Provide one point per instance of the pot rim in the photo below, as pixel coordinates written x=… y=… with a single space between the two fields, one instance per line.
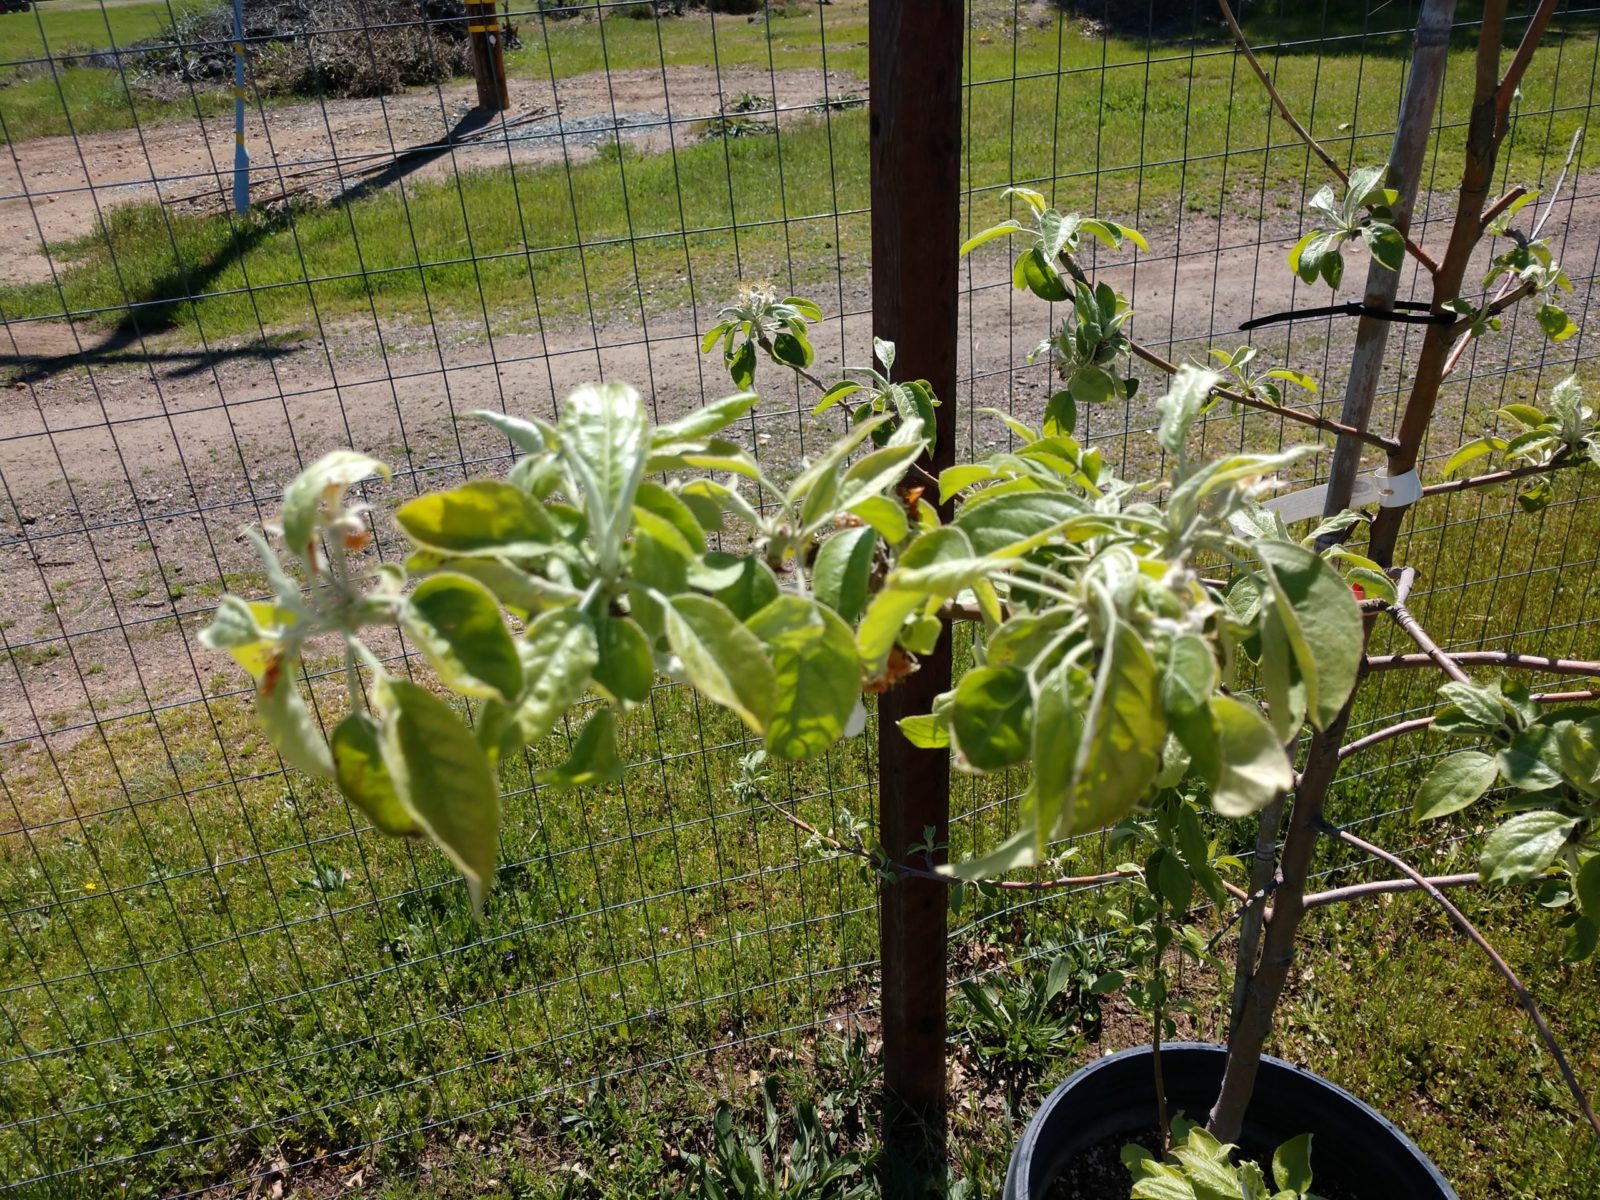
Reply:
x=1027 y=1145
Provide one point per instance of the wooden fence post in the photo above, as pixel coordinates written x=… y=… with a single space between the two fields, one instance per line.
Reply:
x=488 y=55
x=914 y=53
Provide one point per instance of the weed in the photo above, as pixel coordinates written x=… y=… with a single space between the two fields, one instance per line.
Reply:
x=745 y=1166
x=1018 y=1021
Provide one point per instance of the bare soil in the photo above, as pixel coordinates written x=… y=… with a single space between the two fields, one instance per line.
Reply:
x=128 y=468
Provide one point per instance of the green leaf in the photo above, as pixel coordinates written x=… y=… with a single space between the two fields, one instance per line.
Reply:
x=1182 y=403
x=1190 y=676
x=323 y=482
x=1478 y=709
x=842 y=574
x=887 y=516
x=1009 y=525
x=232 y=626
x=482 y=517
x=793 y=349
x=1553 y=319
x=1326 y=629
x=1291 y=1164
x=442 y=778
x=1004 y=229
x=667 y=505
x=1058 y=717
x=749 y=588
x=835 y=394
x=709 y=419
x=741 y=365
x=1532 y=762
x=359 y=770
x=1387 y=244
x=872 y=473
x=924 y=731
x=1587 y=888
x=1120 y=751
x=532 y=437
x=1089 y=384
x=288 y=722
x=605 y=439
x=623 y=666
x=1524 y=846
x=888 y=610
x=1038 y=275
x=1253 y=769
x=1454 y=783
x=559 y=652
x=991 y=717
x=1471 y=452
x=594 y=755
x=456 y=622
x=818 y=677
x=1173 y=883
x=1061 y=414
x=723 y=659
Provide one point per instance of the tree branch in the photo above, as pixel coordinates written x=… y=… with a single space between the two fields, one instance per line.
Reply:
x=1500 y=205
x=1430 y=648
x=1510 y=659
x=1304 y=134
x=1379 y=736
x=1357 y=891
x=1561 y=460
x=1500 y=964
x=1507 y=88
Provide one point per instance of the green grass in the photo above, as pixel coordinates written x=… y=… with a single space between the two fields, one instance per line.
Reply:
x=176 y=875
x=64 y=27
x=599 y=236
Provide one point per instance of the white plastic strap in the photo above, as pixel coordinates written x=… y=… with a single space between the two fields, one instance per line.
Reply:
x=1376 y=488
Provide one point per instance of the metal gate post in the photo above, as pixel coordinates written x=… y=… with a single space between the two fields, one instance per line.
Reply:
x=914 y=53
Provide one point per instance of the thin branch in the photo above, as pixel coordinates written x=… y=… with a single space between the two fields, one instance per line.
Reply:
x=1560 y=461
x=1509 y=659
x=1357 y=891
x=1555 y=192
x=1507 y=87
x=1500 y=205
x=1500 y=964
x=906 y=871
x=1430 y=648
x=1505 y=297
x=1388 y=732
x=1416 y=252
x=1383 y=735
x=1171 y=368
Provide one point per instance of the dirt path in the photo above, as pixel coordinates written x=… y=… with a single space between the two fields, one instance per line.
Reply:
x=126 y=481
x=59 y=186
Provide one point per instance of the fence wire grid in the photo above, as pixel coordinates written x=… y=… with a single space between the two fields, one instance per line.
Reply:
x=215 y=974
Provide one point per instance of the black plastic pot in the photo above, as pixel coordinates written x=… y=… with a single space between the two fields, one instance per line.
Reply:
x=1353 y=1149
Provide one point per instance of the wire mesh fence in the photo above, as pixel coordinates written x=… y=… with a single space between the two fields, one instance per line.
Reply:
x=216 y=975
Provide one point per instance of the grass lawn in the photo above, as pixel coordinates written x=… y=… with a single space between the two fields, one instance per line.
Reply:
x=1110 y=125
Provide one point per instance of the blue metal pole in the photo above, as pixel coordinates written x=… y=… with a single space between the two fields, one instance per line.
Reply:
x=241 y=156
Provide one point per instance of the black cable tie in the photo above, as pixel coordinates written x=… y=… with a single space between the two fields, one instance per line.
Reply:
x=1407 y=312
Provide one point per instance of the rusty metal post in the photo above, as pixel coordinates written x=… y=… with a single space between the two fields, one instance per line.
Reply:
x=914 y=54
x=488 y=55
